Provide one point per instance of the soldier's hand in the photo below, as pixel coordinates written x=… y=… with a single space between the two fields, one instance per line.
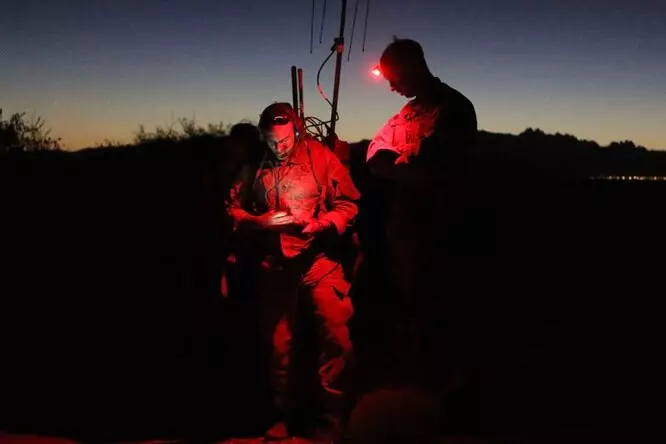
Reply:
x=407 y=152
x=316 y=226
x=274 y=220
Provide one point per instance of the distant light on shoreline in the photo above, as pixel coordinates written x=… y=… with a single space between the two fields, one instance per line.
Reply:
x=638 y=178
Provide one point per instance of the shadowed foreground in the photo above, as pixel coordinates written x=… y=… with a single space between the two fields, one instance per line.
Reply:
x=113 y=327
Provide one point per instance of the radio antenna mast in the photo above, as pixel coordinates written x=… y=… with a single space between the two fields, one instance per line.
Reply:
x=325 y=131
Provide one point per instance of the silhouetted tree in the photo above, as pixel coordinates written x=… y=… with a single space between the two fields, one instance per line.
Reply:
x=188 y=129
x=626 y=145
x=530 y=132
x=161 y=134
x=111 y=144
x=19 y=134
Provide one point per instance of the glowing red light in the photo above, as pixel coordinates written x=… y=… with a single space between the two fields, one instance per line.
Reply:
x=376 y=72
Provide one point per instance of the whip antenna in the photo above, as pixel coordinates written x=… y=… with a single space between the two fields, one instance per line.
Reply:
x=312 y=26
x=351 y=39
x=365 y=30
x=323 y=18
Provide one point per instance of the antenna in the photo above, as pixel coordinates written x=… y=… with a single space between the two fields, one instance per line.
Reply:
x=365 y=29
x=301 y=108
x=312 y=27
x=323 y=19
x=351 y=39
x=339 y=47
x=294 y=88
x=317 y=127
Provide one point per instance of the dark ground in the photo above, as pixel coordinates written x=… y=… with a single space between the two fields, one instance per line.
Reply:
x=113 y=327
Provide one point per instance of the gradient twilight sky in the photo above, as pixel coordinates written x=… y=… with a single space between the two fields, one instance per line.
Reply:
x=96 y=69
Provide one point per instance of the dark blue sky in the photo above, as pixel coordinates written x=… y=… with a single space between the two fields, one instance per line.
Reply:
x=98 y=69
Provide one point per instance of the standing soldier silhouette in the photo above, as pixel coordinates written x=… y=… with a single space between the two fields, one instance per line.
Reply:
x=421 y=152
x=293 y=207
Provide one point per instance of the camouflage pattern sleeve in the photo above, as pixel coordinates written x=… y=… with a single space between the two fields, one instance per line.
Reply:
x=342 y=195
x=383 y=140
x=234 y=201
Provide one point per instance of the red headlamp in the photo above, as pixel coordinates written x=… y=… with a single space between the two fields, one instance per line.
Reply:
x=280 y=120
x=376 y=71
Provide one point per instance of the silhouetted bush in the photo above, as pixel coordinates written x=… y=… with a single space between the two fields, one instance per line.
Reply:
x=19 y=134
x=184 y=128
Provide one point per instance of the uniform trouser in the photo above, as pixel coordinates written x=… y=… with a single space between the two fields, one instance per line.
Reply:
x=296 y=305
x=424 y=282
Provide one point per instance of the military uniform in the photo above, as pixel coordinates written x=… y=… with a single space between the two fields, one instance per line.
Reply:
x=300 y=274
x=425 y=218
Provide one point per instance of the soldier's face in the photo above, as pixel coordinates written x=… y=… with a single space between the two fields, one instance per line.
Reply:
x=281 y=140
x=401 y=80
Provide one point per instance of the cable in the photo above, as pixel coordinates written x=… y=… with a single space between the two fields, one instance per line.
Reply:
x=323 y=18
x=351 y=39
x=312 y=26
x=315 y=122
x=365 y=31
x=321 y=91
x=317 y=128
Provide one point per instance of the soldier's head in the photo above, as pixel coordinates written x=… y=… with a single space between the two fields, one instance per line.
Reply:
x=244 y=131
x=404 y=66
x=245 y=142
x=281 y=128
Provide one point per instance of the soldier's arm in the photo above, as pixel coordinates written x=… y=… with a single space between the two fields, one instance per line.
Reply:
x=242 y=219
x=382 y=155
x=439 y=153
x=383 y=140
x=383 y=165
x=342 y=195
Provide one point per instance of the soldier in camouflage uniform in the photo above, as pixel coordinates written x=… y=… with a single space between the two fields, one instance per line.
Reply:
x=421 y=151
x=293 y=207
